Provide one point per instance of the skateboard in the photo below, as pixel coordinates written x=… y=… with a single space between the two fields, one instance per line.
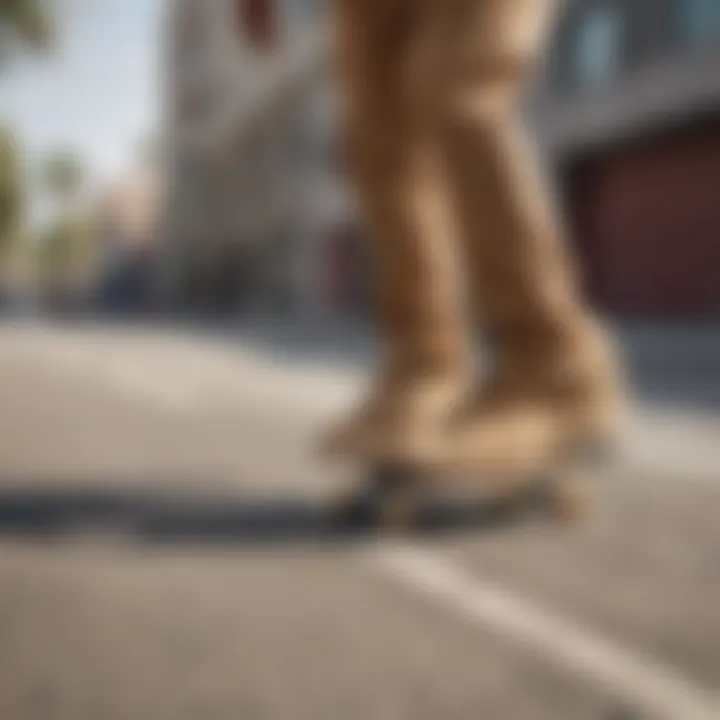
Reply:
x=394 y=497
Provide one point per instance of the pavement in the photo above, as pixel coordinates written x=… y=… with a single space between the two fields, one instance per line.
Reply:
x=165 y=552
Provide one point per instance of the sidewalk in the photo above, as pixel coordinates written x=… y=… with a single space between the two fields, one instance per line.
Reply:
x=676 y=364
x=674 y=371
x=310 y=373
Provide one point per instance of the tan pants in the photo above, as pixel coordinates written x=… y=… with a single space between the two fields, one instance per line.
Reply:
x=456 y=209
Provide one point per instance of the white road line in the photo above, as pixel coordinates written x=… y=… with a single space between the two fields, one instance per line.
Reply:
x=639 y=681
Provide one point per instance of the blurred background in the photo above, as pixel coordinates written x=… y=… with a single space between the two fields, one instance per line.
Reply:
x=184 y=298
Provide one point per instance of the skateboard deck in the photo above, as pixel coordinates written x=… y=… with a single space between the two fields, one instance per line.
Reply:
x=393 y=497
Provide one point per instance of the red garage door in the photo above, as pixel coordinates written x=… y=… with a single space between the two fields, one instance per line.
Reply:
x=648 y=226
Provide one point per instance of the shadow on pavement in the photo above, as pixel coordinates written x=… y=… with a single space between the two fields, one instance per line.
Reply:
x=60 y=511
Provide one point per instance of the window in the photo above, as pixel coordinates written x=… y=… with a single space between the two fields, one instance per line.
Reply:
x=312 y=8
x=599 y=45
x=300 y=13
x=700 y=20
x=258 y=22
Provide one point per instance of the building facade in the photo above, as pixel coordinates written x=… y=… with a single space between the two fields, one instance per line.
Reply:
x=628 y=109
x=254 y=194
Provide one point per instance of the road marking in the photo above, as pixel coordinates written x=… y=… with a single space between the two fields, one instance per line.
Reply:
x=637 y=680
x=640 y=681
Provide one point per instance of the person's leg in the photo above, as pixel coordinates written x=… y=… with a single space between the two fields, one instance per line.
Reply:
x=386 y=53
x=554 y=382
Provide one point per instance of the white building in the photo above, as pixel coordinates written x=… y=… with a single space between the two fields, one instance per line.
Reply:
x=253 y=192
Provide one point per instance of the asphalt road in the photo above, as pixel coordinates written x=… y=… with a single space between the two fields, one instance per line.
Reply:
x=164 y=554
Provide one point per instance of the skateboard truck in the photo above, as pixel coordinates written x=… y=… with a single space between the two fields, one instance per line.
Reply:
x=400 y=498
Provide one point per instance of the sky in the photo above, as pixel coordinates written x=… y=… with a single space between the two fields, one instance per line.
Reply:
x=98 y=93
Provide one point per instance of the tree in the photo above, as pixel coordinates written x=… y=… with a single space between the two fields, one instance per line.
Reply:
x=25 y=23
x=63 y=175
x=12 y=189
x=66 y=248
x=64 y=258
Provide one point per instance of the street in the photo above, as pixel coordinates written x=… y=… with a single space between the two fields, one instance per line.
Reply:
x=163 y=556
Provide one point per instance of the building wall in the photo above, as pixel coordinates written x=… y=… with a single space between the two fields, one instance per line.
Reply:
x=649 y=225
x=628 y=111
x=257 y=180
x=233 y=190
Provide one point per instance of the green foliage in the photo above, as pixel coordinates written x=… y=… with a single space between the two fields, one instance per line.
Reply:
x=12 y=189
x=66 y=248
x=63 y=174
x=24 y=23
